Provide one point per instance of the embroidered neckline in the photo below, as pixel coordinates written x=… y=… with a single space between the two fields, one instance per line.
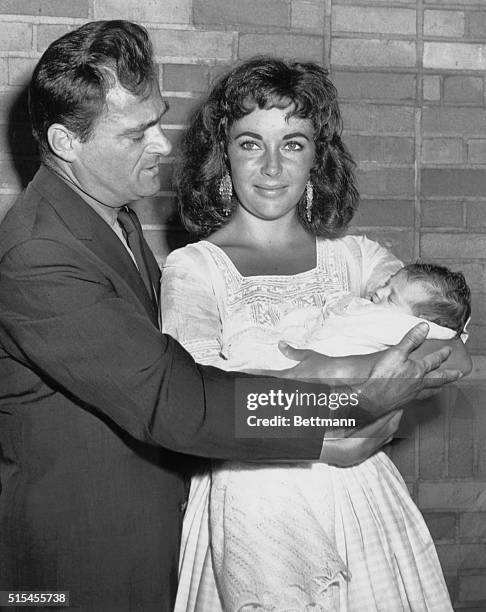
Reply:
x=222 y=254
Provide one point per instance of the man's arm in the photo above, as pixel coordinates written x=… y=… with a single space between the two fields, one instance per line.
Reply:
x=61 y=317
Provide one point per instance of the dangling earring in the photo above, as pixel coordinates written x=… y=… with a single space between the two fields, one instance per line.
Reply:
x=309 y=197
x=226 y=193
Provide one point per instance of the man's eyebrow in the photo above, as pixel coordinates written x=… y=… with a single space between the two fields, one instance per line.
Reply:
x=141 y=127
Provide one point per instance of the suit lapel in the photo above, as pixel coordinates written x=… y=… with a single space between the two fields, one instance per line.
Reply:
x=97 y=235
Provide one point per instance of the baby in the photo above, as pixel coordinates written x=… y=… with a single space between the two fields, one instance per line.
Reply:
x=415 y=293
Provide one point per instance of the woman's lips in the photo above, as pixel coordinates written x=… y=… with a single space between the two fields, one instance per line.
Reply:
x=270 y=191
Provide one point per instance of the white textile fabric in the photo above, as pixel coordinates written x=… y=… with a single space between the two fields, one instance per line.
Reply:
x=356 y=326
x=291 y=537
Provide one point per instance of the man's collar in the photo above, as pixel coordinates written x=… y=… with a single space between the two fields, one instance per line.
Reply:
x=107 y=213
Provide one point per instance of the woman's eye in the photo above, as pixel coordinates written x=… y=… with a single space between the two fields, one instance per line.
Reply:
x=137 y=138
x=249 y=145
x=293 y=146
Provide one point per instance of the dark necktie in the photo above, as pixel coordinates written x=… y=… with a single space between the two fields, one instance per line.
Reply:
x=133 y=235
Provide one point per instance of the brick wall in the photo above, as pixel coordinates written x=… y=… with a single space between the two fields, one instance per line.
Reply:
x=411 y=79
x=441 y=454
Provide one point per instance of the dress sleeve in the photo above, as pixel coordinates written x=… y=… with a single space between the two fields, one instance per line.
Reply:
x=189 y=306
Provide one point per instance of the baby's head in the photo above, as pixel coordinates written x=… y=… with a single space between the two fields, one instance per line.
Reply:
x=430 y=292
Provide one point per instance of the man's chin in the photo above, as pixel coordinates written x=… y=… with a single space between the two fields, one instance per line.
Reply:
x=150 y=188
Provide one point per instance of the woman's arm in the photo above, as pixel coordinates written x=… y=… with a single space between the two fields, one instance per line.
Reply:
x=189 y=307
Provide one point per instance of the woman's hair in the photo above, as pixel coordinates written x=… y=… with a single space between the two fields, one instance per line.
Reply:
x=450 y=297
x=71 y=80
x=265 y=83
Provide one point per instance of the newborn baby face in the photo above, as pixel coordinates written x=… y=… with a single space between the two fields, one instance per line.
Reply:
x=400 y=293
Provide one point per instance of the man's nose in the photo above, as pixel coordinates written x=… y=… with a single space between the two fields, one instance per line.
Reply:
x=272 y=164
x=159 y=143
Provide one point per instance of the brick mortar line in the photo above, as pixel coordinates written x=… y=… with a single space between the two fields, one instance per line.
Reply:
x=408 y=135
x=194 y=61
x=454 y=39
x=377 y=69
x=250 y=29
x=372 y=165
x=466 y=480
x=392 y=36
x=39 y=20
x=407 y=103
x=35 y=41
x=451 y=166
x=418 y=130
x=379 y=36
x=411 y=70
x=467 y=199
x=417 y=184
x=454 y=6
x=183 y=59
x=379 y=229
x=465 y=210
x=77 y=21
x=371 y=4
x=328 y=34
x=408 y=4
x=466 y=72
x=450 y=231
x=21 y=54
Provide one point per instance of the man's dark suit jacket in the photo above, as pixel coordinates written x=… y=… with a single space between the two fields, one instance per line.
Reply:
x=95 y=404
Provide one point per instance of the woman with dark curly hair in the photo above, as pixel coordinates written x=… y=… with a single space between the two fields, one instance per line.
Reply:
x=205 y=167
x=266 y=179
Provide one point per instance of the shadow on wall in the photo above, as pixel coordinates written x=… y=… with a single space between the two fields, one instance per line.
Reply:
x=176 y=235
x=21 y=144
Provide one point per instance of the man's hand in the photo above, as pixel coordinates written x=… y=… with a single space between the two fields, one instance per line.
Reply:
x=392 y=377
x=324 y=368
x=362 y=443
x=396 y=379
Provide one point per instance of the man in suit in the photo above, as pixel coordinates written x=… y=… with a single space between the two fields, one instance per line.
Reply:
x=95 y=403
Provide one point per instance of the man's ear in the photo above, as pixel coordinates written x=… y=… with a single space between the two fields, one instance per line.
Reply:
x=62 y=141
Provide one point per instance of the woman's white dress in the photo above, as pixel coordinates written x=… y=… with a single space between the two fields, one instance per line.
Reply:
x=286 y=537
